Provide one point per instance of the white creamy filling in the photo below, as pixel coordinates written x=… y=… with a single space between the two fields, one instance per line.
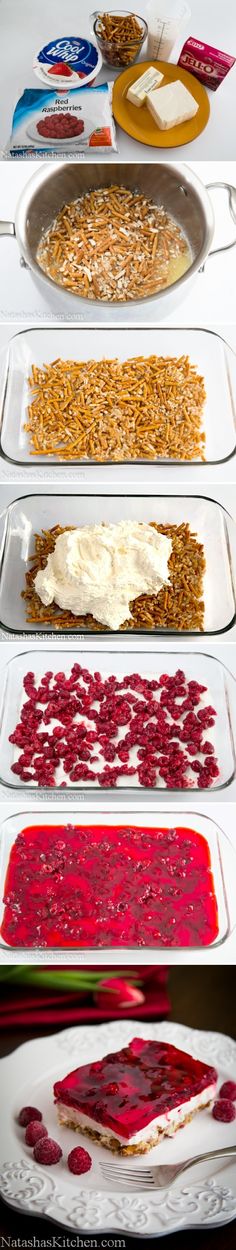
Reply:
x=100 y=569
x=168 y=1122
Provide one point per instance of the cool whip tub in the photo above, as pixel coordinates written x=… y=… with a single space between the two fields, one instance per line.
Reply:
x=71 y=59
x=62 y=121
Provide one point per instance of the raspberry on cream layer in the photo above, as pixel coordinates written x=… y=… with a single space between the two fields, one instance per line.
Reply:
x=132 y=1098
x=151 y=729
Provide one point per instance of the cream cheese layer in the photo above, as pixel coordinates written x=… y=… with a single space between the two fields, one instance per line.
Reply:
x=167 y=1123
x=101 y=569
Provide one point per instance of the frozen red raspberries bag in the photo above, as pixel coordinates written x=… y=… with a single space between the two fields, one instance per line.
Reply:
x=63 y=122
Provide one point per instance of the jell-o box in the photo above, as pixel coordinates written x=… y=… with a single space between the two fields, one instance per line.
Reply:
x=206 y=63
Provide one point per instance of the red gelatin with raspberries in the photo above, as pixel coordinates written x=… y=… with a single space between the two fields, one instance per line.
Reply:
x=128 y=1089
x=99 y=886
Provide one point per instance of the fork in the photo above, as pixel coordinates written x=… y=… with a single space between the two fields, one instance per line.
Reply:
x=159 y=1177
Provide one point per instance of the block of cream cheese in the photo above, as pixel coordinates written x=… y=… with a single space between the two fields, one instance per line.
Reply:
x=171 y=105
x=147 y=82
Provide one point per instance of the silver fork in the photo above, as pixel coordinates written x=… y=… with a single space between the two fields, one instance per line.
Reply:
x=159 y=1177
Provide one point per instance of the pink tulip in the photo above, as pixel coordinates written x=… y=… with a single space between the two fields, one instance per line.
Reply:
x=115 y=994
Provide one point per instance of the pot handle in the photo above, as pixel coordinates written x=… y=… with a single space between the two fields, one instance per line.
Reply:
x=7 y=227
x=231 y=192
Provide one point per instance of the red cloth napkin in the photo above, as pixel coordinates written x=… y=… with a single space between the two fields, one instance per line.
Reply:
x=22 y=1007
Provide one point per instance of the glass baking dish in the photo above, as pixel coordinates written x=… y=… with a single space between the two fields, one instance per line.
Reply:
x=208 y=351
x=197 y=666
x=31 y=514
x=222 y=860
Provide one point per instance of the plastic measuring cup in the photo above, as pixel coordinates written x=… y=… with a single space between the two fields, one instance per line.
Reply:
x=165 y=21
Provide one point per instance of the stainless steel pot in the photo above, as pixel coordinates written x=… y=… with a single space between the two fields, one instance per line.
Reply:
x=173 y=185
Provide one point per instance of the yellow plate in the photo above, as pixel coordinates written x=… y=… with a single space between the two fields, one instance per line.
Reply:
x=139 y=123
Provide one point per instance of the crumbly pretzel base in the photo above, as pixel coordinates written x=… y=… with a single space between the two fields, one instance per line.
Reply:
x=147 y=408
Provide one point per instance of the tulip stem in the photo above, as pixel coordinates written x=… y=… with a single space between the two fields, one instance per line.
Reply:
x=67 y=980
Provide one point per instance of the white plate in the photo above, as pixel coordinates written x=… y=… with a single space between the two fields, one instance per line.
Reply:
x=45 y=142
x=205 y=1198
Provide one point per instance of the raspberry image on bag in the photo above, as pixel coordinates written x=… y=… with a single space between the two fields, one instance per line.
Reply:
x=60 y=126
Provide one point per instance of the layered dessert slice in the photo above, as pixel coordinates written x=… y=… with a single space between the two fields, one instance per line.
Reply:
x=132 y=1098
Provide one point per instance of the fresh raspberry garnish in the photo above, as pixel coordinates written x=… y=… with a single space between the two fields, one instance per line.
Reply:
x=224 y=1110
x=34 y=1132
x=47 y=1151
x=27 y=1114
x=228 y=1090
x=79 y=1161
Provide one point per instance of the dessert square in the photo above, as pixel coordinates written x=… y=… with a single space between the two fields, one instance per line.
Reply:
x=132 y=1098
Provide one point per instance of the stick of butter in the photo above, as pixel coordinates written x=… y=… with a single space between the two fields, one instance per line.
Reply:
x=171 y=105
x=147 y=82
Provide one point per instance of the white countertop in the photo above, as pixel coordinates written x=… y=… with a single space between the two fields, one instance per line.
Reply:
x=212 y=295
x=26 y=26
x=222 y=954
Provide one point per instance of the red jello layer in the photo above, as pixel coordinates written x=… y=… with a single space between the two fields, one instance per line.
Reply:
x=99 y=886
x=131 y=1087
